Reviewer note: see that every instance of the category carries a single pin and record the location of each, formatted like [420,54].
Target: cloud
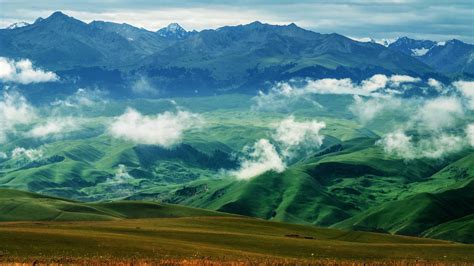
[14,111]
[284,93]
[436,85]
[470,134]
[290,138]
[396,80]
[29,154]
[439,113]
[55,127]
[121,176]
[262,157]
[293,136]
[467,90]
[400,145]
[23,72]
[366,109]
[81,98]
[164,129]
[142,86]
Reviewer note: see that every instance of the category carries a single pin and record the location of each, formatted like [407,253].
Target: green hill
[24,206]
[64,231]
[416,214]
[461,229]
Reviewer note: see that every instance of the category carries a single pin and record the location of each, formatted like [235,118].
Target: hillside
[179,233]
[419,213]
[24,206]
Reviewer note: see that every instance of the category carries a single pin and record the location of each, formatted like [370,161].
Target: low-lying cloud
[294,137]
[81,98]
[467,90]
[439,113]
[470,134]
[23,72]
[262,157]
[54,127]
[401,145]
[14,110]
[143,86]
[28,154]
[164,129]
[366,109]
[289,139]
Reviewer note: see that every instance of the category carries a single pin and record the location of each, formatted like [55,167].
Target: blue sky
[435,19]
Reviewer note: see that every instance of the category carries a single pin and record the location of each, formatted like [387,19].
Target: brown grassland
[215,241]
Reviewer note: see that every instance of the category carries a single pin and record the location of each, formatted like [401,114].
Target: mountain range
[243,58]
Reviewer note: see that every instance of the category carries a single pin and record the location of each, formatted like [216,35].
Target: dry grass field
[215,241]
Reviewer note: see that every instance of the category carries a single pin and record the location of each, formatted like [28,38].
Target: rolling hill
[177,234]
[18,205]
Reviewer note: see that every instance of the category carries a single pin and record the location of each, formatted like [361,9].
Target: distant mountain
[412,47]
[173,30]
[243,58]
[451,57]
[18,25]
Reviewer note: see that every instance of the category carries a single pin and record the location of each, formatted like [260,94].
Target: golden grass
[215,241]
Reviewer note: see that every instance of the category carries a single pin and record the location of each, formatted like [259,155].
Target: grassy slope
[213,238]
[418,213]
[179,233]
[24,206]
[461,229]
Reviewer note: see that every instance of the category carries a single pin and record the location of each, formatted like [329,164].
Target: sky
[437,20]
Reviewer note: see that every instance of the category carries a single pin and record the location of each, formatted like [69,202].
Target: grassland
[212,238]
[350,182]
[39,228]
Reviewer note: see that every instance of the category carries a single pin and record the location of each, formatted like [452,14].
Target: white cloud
[440,113]
[436,85]
[81,98]
[440,146]
[293,136]
[470,134]
[143,86]
[377,86]
[30,154]
[290,137]
[399,79]
[400,145]
[467,90]
[23,72]
[367,109]
[164,129]
[14,110]
[374,83]
[262,157]
[121,176]
[54,126]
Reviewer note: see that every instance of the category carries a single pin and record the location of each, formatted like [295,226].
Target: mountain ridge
[237,59]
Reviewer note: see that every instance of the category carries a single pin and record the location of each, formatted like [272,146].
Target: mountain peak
[18,25]
[58,14]
[173,30]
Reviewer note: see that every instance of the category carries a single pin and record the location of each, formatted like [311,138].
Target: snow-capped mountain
[18,25]
[173,30]
[384,42]
[447,57]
